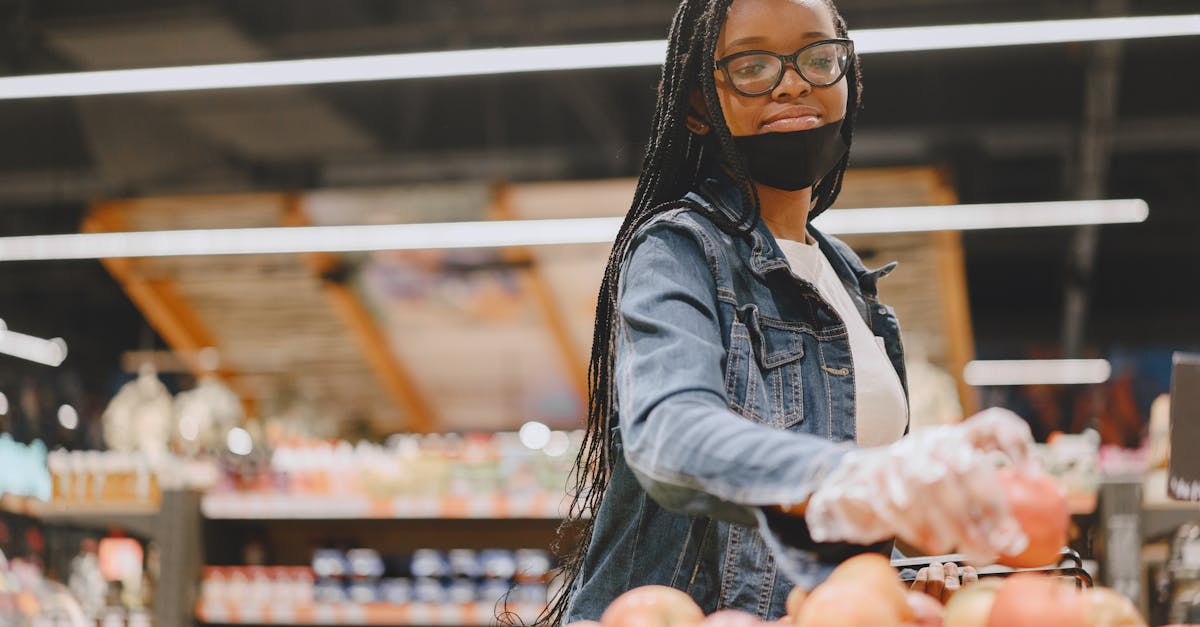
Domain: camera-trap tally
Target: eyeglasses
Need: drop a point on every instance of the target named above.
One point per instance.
(757, 72)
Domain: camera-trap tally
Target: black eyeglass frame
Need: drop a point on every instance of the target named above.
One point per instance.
(787, 59)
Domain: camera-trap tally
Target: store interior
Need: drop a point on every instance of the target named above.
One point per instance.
(384, 434)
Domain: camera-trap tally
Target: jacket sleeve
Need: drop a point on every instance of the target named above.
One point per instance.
(688, 450)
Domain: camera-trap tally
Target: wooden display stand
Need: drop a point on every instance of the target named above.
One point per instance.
(311, 321)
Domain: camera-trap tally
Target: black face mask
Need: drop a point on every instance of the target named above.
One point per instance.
(793, 160)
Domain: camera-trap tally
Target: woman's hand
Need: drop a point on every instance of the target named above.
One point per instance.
(999, 430)
(941, 582)
(935, 489)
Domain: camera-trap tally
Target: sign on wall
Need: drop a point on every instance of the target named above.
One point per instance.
(1184, 469)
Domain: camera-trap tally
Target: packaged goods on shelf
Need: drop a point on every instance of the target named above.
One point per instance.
(458, 583)
(114, 478)
(478, 475)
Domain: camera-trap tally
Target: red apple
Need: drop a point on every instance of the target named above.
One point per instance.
(926, 610)
(971, 606)
(652, 606)
(1026, 600)
(1108, 608)
(1041, 509)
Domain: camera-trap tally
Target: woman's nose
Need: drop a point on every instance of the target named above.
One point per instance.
(791, 85)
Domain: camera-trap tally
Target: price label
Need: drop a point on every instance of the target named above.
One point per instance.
(1184, 469)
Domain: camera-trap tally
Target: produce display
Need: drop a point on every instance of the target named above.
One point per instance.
(865, 591)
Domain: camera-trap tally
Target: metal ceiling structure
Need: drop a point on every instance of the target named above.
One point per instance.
(1008, 124)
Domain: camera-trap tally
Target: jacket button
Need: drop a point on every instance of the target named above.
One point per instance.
(883, 310)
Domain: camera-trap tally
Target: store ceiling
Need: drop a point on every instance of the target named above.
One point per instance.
(1005, 121)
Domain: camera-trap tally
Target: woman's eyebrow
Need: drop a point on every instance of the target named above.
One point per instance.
(754, 39)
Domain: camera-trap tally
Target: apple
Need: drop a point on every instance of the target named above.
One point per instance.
(1027, 599)
(1108, 608)
(971, 606)
(652, 606)
(927, 612)
(1041, 509)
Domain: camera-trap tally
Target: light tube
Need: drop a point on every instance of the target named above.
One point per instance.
(1037, 372)
(337, 70)
(560, 57)
(959, 36)
(982, 216)
(502, 233)
(50, 352)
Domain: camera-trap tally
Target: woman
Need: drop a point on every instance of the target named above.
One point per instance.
(747, 398)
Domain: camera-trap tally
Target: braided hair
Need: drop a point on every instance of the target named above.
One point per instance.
(672, 166)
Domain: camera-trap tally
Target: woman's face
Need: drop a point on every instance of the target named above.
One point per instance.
(783, 27)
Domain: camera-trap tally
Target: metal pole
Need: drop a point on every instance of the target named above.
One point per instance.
(1095, 149)
(181, 551)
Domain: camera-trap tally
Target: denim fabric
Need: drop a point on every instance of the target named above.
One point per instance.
(734, 390)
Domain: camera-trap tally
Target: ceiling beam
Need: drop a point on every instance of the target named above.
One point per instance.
(534, 284)
(167, 311)
(373, 342)
(954, 300)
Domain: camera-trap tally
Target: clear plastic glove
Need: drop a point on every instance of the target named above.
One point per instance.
(935, 489)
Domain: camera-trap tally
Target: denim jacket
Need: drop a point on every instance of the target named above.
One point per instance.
(734, 389)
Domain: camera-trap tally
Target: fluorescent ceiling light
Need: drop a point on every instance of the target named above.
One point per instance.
(1037, 372)
(557, 58)
(337, 70)
(491, 234)
(982, 216)
(47, 352)
(959, 36)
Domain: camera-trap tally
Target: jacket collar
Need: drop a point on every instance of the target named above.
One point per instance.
(719, 192)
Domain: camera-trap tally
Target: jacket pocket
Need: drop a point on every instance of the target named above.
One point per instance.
(763, 370)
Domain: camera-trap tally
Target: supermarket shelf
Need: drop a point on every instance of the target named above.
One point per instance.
(466, 614)
(135, 518)
(251, 506)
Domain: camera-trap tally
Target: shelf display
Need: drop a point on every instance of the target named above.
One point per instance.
(478, 475)
(459, 586)
(121, 481)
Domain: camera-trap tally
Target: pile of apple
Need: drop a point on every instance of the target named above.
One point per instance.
(865, 591)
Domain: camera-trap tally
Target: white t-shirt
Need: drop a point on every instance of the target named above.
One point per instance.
(880, 408)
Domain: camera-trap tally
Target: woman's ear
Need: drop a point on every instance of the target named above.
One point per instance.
(697, 116)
